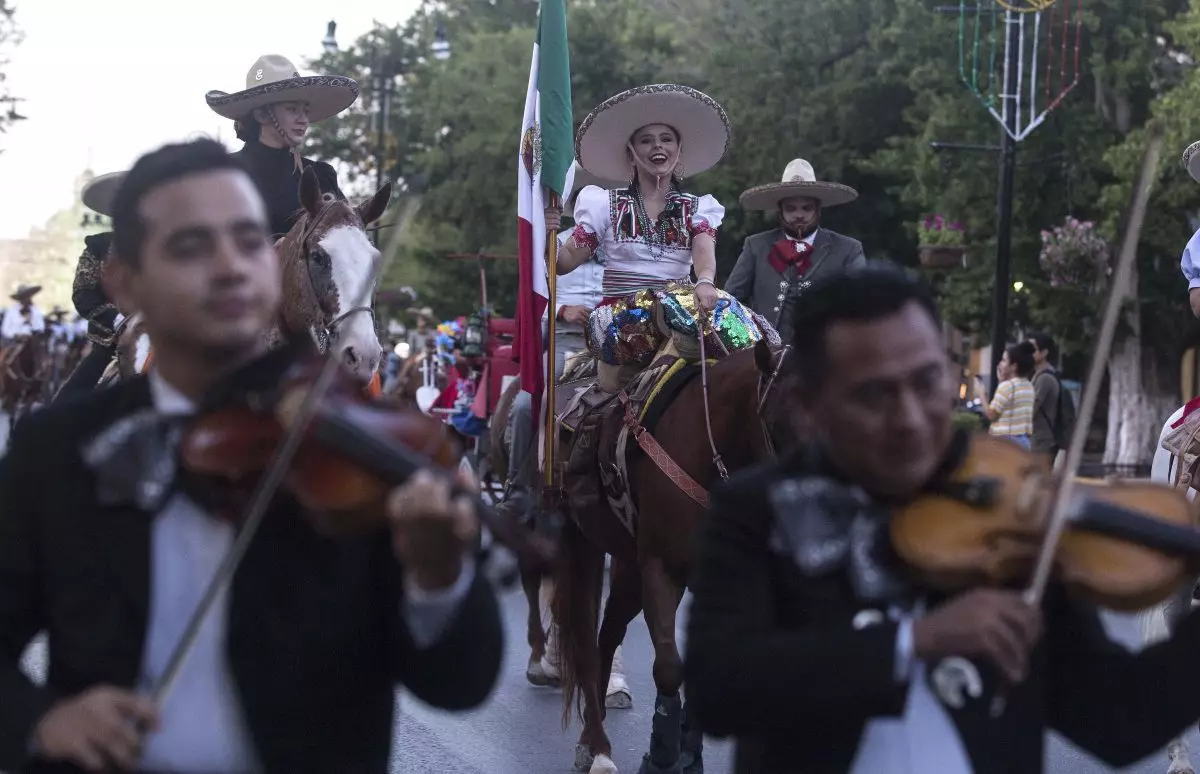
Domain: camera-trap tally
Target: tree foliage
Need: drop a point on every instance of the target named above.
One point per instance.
(860, 88)
(10, 38)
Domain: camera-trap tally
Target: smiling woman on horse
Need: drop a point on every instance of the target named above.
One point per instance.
(272, 116)
(653, 234)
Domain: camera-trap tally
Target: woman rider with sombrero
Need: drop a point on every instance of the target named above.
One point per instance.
(653, 234)
(87, 293)
(271, 116)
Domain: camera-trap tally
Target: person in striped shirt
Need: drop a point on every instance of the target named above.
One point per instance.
(1011, 409)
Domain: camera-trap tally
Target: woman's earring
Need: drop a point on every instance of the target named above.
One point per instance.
(680, 171)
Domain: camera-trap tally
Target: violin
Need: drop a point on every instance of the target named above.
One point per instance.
(351, 454)
(1126, 545)
(998, 520)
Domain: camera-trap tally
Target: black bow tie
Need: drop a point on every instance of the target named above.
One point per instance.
(135, 459)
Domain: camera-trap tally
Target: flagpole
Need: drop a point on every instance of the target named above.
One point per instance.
(551, 329)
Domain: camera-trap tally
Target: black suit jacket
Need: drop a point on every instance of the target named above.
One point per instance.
(757, 284)
(774, 659)
(316, 642)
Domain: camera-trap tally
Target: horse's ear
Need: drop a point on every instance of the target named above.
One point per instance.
(310, 191)
(372, 210)
(764, 359)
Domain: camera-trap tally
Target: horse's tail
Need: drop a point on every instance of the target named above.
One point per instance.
(575, 610)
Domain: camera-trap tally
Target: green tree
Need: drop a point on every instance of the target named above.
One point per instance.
(10, 38)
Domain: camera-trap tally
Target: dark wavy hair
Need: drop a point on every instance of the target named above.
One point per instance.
(1021, 356)
(864, 294)
(154, 170)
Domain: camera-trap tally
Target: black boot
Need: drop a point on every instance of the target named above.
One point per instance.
(666, 732)
(691, 756)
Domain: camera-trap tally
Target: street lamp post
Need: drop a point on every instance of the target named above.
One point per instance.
(329, 43)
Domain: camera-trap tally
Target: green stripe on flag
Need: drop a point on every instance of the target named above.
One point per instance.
(554, 90)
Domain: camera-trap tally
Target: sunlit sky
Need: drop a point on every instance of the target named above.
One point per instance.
(107, 80)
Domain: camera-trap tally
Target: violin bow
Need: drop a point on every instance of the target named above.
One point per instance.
(1091, 389)
(273, 477)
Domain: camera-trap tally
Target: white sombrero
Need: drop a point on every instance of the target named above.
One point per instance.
(1191, 161)
(798, 180)
(701, 123)
(274, 78)
(98, 194)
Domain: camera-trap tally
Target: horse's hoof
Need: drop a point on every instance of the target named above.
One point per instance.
(538, 676)
(618, 699)
(692, 764)
(584, 758)
(603, 765)
(648, 767)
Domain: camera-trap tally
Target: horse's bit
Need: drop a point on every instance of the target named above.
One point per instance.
(330, 329)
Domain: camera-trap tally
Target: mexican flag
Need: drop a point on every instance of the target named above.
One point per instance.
(544, 161)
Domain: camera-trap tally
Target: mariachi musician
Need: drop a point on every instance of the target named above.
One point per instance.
(781, 263)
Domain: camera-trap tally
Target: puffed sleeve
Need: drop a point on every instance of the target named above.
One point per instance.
(708, 216)
(591, 217)
(1190, 264)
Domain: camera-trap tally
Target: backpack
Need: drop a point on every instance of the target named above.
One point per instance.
(1064, 419)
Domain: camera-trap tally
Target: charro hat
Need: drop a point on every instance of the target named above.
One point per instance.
(798, 180)
(699, 120)
(26, 292)
(274, 78)
(98, 194)
(1191, 161)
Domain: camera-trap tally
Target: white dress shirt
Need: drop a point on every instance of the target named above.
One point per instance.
(202, 727)
(1190, 263)
(924, 739)
(582, 287)
(16, 324)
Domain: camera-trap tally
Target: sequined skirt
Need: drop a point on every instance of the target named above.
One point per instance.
(630, 330)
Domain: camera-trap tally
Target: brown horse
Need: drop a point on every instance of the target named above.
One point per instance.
(327, 260)
(650, 569)
(23, 376)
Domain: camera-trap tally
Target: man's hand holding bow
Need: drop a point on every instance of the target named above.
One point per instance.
(431, 530)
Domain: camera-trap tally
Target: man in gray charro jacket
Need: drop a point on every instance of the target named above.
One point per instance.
(780, 264)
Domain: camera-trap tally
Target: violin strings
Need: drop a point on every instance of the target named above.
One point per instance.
(273, 477)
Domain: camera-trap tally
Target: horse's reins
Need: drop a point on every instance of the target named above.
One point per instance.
(712, 444)
(765, 391)
(309, 228)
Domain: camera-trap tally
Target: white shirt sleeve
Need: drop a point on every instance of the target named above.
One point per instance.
(429, 613)
(1190, 263)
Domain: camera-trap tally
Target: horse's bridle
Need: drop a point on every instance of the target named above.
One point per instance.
(330, 329)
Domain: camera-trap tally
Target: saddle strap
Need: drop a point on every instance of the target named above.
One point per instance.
(661, 459)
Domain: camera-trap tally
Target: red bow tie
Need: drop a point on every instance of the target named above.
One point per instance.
(787, 252)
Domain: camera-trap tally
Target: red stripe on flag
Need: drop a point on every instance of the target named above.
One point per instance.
(530, 308)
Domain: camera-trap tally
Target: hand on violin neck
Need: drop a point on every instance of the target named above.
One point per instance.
(97, 729)
(995, 625)
(432, 529)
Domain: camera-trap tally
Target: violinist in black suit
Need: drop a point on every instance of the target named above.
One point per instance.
(810, 643)
(107, 550)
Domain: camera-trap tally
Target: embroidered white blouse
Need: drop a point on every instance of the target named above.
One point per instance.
(607, 220)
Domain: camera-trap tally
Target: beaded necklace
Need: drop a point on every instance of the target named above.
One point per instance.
(655, 232)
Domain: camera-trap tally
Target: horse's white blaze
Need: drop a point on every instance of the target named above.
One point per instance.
(140, 353)
(353, 259)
